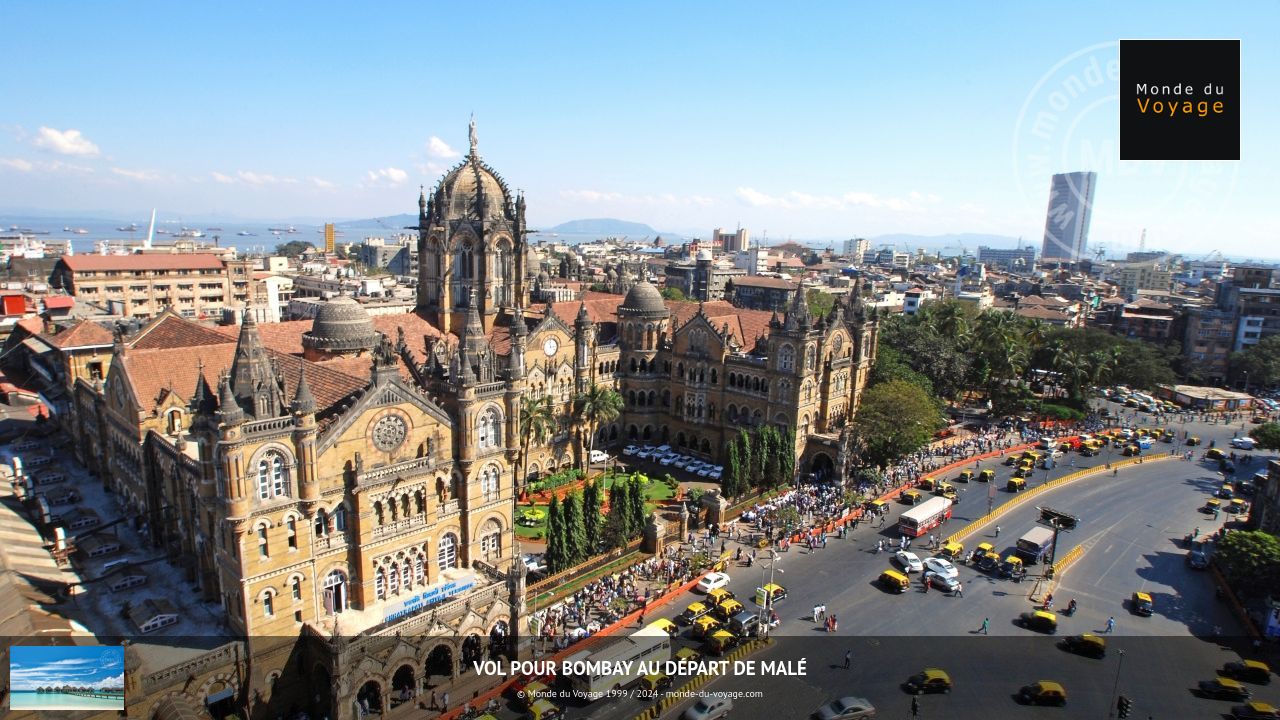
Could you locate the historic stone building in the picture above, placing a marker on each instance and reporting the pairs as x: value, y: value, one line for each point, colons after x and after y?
x: 344, y: 487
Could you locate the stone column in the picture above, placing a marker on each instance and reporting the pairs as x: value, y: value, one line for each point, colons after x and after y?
x: 654, y: 533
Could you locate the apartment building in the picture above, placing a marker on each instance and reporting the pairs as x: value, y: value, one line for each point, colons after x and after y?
x: 143, y: 285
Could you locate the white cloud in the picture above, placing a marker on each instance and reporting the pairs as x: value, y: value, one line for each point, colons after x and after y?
x: 65, y: 142
x: 590, y: 196
x: 224, y: 179
x: 390, y: 175
x: 438, y: 148
x: 136, y: 174
x: 431, y: 169
x: 252, y: 178
x: 16, y: 164
x: 796, y: 200
x: 322, y: 184
x: 660, y: 199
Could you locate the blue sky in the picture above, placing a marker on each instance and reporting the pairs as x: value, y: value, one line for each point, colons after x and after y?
x: 807, y: 120
x: 32, y: 667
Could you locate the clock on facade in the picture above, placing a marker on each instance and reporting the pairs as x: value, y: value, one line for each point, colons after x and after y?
x: 389, y: 432
x: 550, y: 346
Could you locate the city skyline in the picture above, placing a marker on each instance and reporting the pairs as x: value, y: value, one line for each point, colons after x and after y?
x: 837, y: 122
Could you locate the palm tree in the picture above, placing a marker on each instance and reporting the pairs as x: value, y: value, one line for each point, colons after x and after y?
x: 537, y: 424
x: 949, y: 320
x: 597, y: 405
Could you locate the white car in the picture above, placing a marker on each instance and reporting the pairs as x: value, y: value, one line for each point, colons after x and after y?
x: 1243, y: 443
x: 709, y: 708
x: 664, y: 449
x: 695, y: 466
x: 713, y: 581
x: 599, y: 456
x: 941, y: 566
x: 706, y: 471
x: 630, y: 450
x: 644, y: 453
x: 680, y: 461
x: 668, y: 459
x: 715, y: 474
x: 846, y: 708
x: 909, y: 561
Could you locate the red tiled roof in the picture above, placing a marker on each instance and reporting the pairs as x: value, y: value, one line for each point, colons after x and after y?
x: 59, y: 302
x: 744, y: 325
x: 174, y: 331
x: 1040, y: 312
x: 601, y: 308
x: 33, y: 325
x: 285, y: 337
x: 150, y: 261
x: 83, y: 334
x: 762, y: 281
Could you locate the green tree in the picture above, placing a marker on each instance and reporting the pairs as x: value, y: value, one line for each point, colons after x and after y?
x: 617, y: 530
x: 746, y: 456
x: 940, y: 358
x: 895, y: 419
x: 1259, y: 364
x: 575, y: 529
x: 537, y: 424
x: 557, y: 557
x: 592, y: 520
x: 889, y: 365
x: 1267, y: 435
x: 787, y: 457
x: 820, y: 303
x: 635, y: 508
x: 760, y: 447
x: 773, y: 457
x: 731, y: 478
x: 596, y: 406
x: 293, y: 248
x: 1250, y: 561
x: 673, y: 293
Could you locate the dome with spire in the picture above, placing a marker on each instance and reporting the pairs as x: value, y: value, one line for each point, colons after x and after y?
x: 462, y: 189
x: 644, y: 297
x: 341, y: 326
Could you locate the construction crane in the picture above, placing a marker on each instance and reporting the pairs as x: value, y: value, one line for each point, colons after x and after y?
x: 1100, y: 253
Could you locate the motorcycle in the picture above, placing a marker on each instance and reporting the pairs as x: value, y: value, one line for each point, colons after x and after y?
x: 1071, y: 609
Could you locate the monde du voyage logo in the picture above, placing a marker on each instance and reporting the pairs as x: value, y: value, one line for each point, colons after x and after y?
x: 1179, y: 99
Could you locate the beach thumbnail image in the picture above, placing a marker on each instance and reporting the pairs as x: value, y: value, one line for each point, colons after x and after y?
x: 66, y: 678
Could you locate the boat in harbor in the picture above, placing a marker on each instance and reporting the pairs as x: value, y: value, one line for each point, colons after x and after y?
x: 246, y: 233
x: 213, y: 229
x: 131, y: 227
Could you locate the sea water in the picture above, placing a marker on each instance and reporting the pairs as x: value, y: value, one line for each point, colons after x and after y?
x: 30, y: 700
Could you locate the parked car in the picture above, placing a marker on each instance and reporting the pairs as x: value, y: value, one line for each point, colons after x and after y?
x: 630, y: 450
x: 599, y: 456
x: 1224, y: 689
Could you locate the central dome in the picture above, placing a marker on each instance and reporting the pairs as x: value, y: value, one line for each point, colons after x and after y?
x: 644, y: 297
x: 341, y: 326
x: 469, y: 179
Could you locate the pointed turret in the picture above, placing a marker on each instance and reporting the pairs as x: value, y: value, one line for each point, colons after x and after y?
x: 203, y: 399
x: 304, y: 403
x: 255, y: 381
x: 798, y: 317
x: 229, y: 411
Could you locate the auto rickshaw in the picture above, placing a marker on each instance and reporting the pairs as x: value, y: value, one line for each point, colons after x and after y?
x: 653, y: 684
x: 721, y: 641
x: 666, y: 626
x: 876, y: 507
x: 728, y: 609
x: 687, y: 655
x: 1012, y: 567
x: 1167, y: 436
x: 1212, y: 506
x: 1193, y: 441
x: 1142, y: 604
x: 989, y: 562
x: 987, y: 475
x: 1254, y: 671
x: 1087, y: 644
x: 532, y: 693
x: 770, y: 594
x: 926, y: 484
x: 1023, y: 472
x: 1238, y: 507
x: 1012, y: 460
x: 1015, y: 485
x: 947, y: 491
x: 695, y: 611
x: 912, y: 497
x: 544, y: 710
x: 1214, y: 454
x: 964, y: 476
x: 717, y: 596
x: 1132, y: 450
x: 1225, y: 491
x: 703, y: 626
x: 952, y: 550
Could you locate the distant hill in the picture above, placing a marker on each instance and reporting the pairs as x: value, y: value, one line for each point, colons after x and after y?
x: 970, y: 241
x: 602, y: 226
x: 394, y: 221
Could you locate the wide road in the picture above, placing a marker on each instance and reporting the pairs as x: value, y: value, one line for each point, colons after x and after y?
x: 1131, y: 528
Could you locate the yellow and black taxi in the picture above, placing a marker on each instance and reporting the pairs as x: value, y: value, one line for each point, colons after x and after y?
x: 926, y: 484
x: 987, y: 475
x: 1016, y: 483
x: 1221, y: 688
x: 894, y: 581
x: 1041, y: 621
x: 687, y: 655
x: 1193, y: 441
x: 728, y: 609
x: 1237, y: 506
x: 1132, y: 450
x: 666, y: 626
x: 533, y: 692
x: 964, y: 476
x: 1255, y: 711
x: 948, y: 491
x: 544, y: 710
x: 703, y: 626
x: 721, y: 642
x: 1214, y: 454
x: 1252, y: 671
x: 911, y: 497
x: 929, y: 680
x: 1086, y: 644
x: 1012, y: 460
x: 951, y: 550
x: 695, y: 611
x: 1167, y: 436
x: 1224, y: 491
x: 1142, y: 604
x: 1211, y: 506
x: 717, y: 596
x: 654, y: 683
x: 989, y: 561
x: 770, y: 594
x: 1044, y: 692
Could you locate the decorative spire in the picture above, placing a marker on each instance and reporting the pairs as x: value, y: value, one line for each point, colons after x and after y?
x: 518, y: 327
x: 229, y: 411
x: 203, y: 399
x: 474, y: 326
x: 471, y: 135
x: 422, y: 201
x: 254, y: 379
x: 583, y: 318
x: 304, y: 403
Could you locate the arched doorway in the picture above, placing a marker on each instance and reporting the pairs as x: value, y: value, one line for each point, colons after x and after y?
x: 403, y: 685
x: 822, y: 467
x: 498, y: 639
x: 219, y: 700
x: 439, y: 663
x: 369, y: 698
x: 335, y: 592
x: 472, y: 650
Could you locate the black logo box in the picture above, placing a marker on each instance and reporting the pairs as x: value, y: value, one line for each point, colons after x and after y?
x: 1154, y: 124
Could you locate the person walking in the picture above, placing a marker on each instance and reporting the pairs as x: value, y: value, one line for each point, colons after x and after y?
x: 1111, y: 625
x: 816, y: 610
x: 444, y: 702
x: 959, y: 590
x: 986, y: 626
x: 848, y: 658
x: 433, y: 700
x: 997, y: 531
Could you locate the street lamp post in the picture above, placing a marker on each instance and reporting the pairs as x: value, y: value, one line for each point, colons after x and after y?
x: 767, y: 605
x: 1115, y: 688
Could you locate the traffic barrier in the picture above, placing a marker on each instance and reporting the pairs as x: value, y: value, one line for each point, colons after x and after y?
x: 698, y: 681
x: 1025, y: 496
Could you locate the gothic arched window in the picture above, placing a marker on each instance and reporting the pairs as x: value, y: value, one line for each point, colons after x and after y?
x: 273, y: 479
x: 491, y: 540
x: 489, y: 429
x: 447, y: 554
x: 786, y: 358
